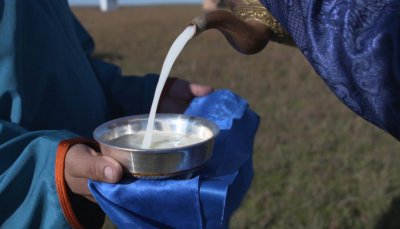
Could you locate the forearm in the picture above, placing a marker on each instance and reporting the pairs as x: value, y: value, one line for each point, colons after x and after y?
x: 78, y: 211
x: 354, y: 47
x: 127, y: 95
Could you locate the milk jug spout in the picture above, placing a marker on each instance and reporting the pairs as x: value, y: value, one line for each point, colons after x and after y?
x: 247, y: 25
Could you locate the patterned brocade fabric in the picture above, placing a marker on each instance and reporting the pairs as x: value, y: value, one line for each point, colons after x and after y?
x: 354, y: 45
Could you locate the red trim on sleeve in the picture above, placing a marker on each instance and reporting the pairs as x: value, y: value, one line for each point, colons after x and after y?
x: 61, y: 184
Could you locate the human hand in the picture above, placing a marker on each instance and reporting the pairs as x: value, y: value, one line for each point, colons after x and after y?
x: 83, y: 163
x: 177, y: 95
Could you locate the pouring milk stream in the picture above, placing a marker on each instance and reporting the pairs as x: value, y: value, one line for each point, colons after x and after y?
x: 173, y: 53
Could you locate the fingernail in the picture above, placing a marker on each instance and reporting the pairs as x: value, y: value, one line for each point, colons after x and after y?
x: 108, y: 173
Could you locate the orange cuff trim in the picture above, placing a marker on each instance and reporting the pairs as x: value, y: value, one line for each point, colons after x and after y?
x: 61, y: 185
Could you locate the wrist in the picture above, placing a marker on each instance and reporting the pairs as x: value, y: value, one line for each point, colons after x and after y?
x: 75, y: 208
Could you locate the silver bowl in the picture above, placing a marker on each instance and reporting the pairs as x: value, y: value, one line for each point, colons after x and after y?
x: 116, y: 136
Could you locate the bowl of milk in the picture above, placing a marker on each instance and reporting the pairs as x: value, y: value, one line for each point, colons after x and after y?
x: 159, y: 145
x: 179, y: 144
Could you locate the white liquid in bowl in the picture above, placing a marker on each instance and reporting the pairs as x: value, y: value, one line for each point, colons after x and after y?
x: 160, y: 140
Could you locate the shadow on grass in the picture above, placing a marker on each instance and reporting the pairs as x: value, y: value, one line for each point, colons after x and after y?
x: 391, y: 218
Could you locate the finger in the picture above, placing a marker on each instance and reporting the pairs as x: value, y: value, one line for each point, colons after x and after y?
x: 90, y: 197
x: 80, y: 186
x: 81, y: 162
x: 183, y: 90
x: 200, y: 90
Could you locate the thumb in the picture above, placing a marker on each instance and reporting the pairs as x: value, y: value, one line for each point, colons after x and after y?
x: 84, y: 162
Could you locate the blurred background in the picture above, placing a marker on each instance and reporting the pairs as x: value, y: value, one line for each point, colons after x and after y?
x: 317, y: 165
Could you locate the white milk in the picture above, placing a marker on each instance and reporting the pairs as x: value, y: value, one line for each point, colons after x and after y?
x: 173, y: 53
x: 160, y: 140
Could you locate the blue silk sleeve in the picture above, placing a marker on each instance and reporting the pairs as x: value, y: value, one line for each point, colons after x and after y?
x: 355, y: 47
x: 126, y: 95
x: 49, y: 78
x: 28, y: 194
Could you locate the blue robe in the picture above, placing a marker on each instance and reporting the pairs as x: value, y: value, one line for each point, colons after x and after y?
x: 354, y: 45
x: 50, y: 89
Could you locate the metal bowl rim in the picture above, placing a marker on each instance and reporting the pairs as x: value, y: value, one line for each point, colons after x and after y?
x: 215, y: 130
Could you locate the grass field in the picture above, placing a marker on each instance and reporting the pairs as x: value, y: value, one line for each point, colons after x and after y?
x: 317, y: 165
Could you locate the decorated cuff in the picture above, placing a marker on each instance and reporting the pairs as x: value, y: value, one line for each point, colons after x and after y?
x: 254, y: 10
x: 61, y: 185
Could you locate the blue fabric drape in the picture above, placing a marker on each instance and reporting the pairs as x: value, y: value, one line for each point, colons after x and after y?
x: 208, y: 199
x: 354, y: 46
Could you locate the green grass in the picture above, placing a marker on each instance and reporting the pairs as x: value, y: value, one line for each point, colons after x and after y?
x: 317, y: 165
